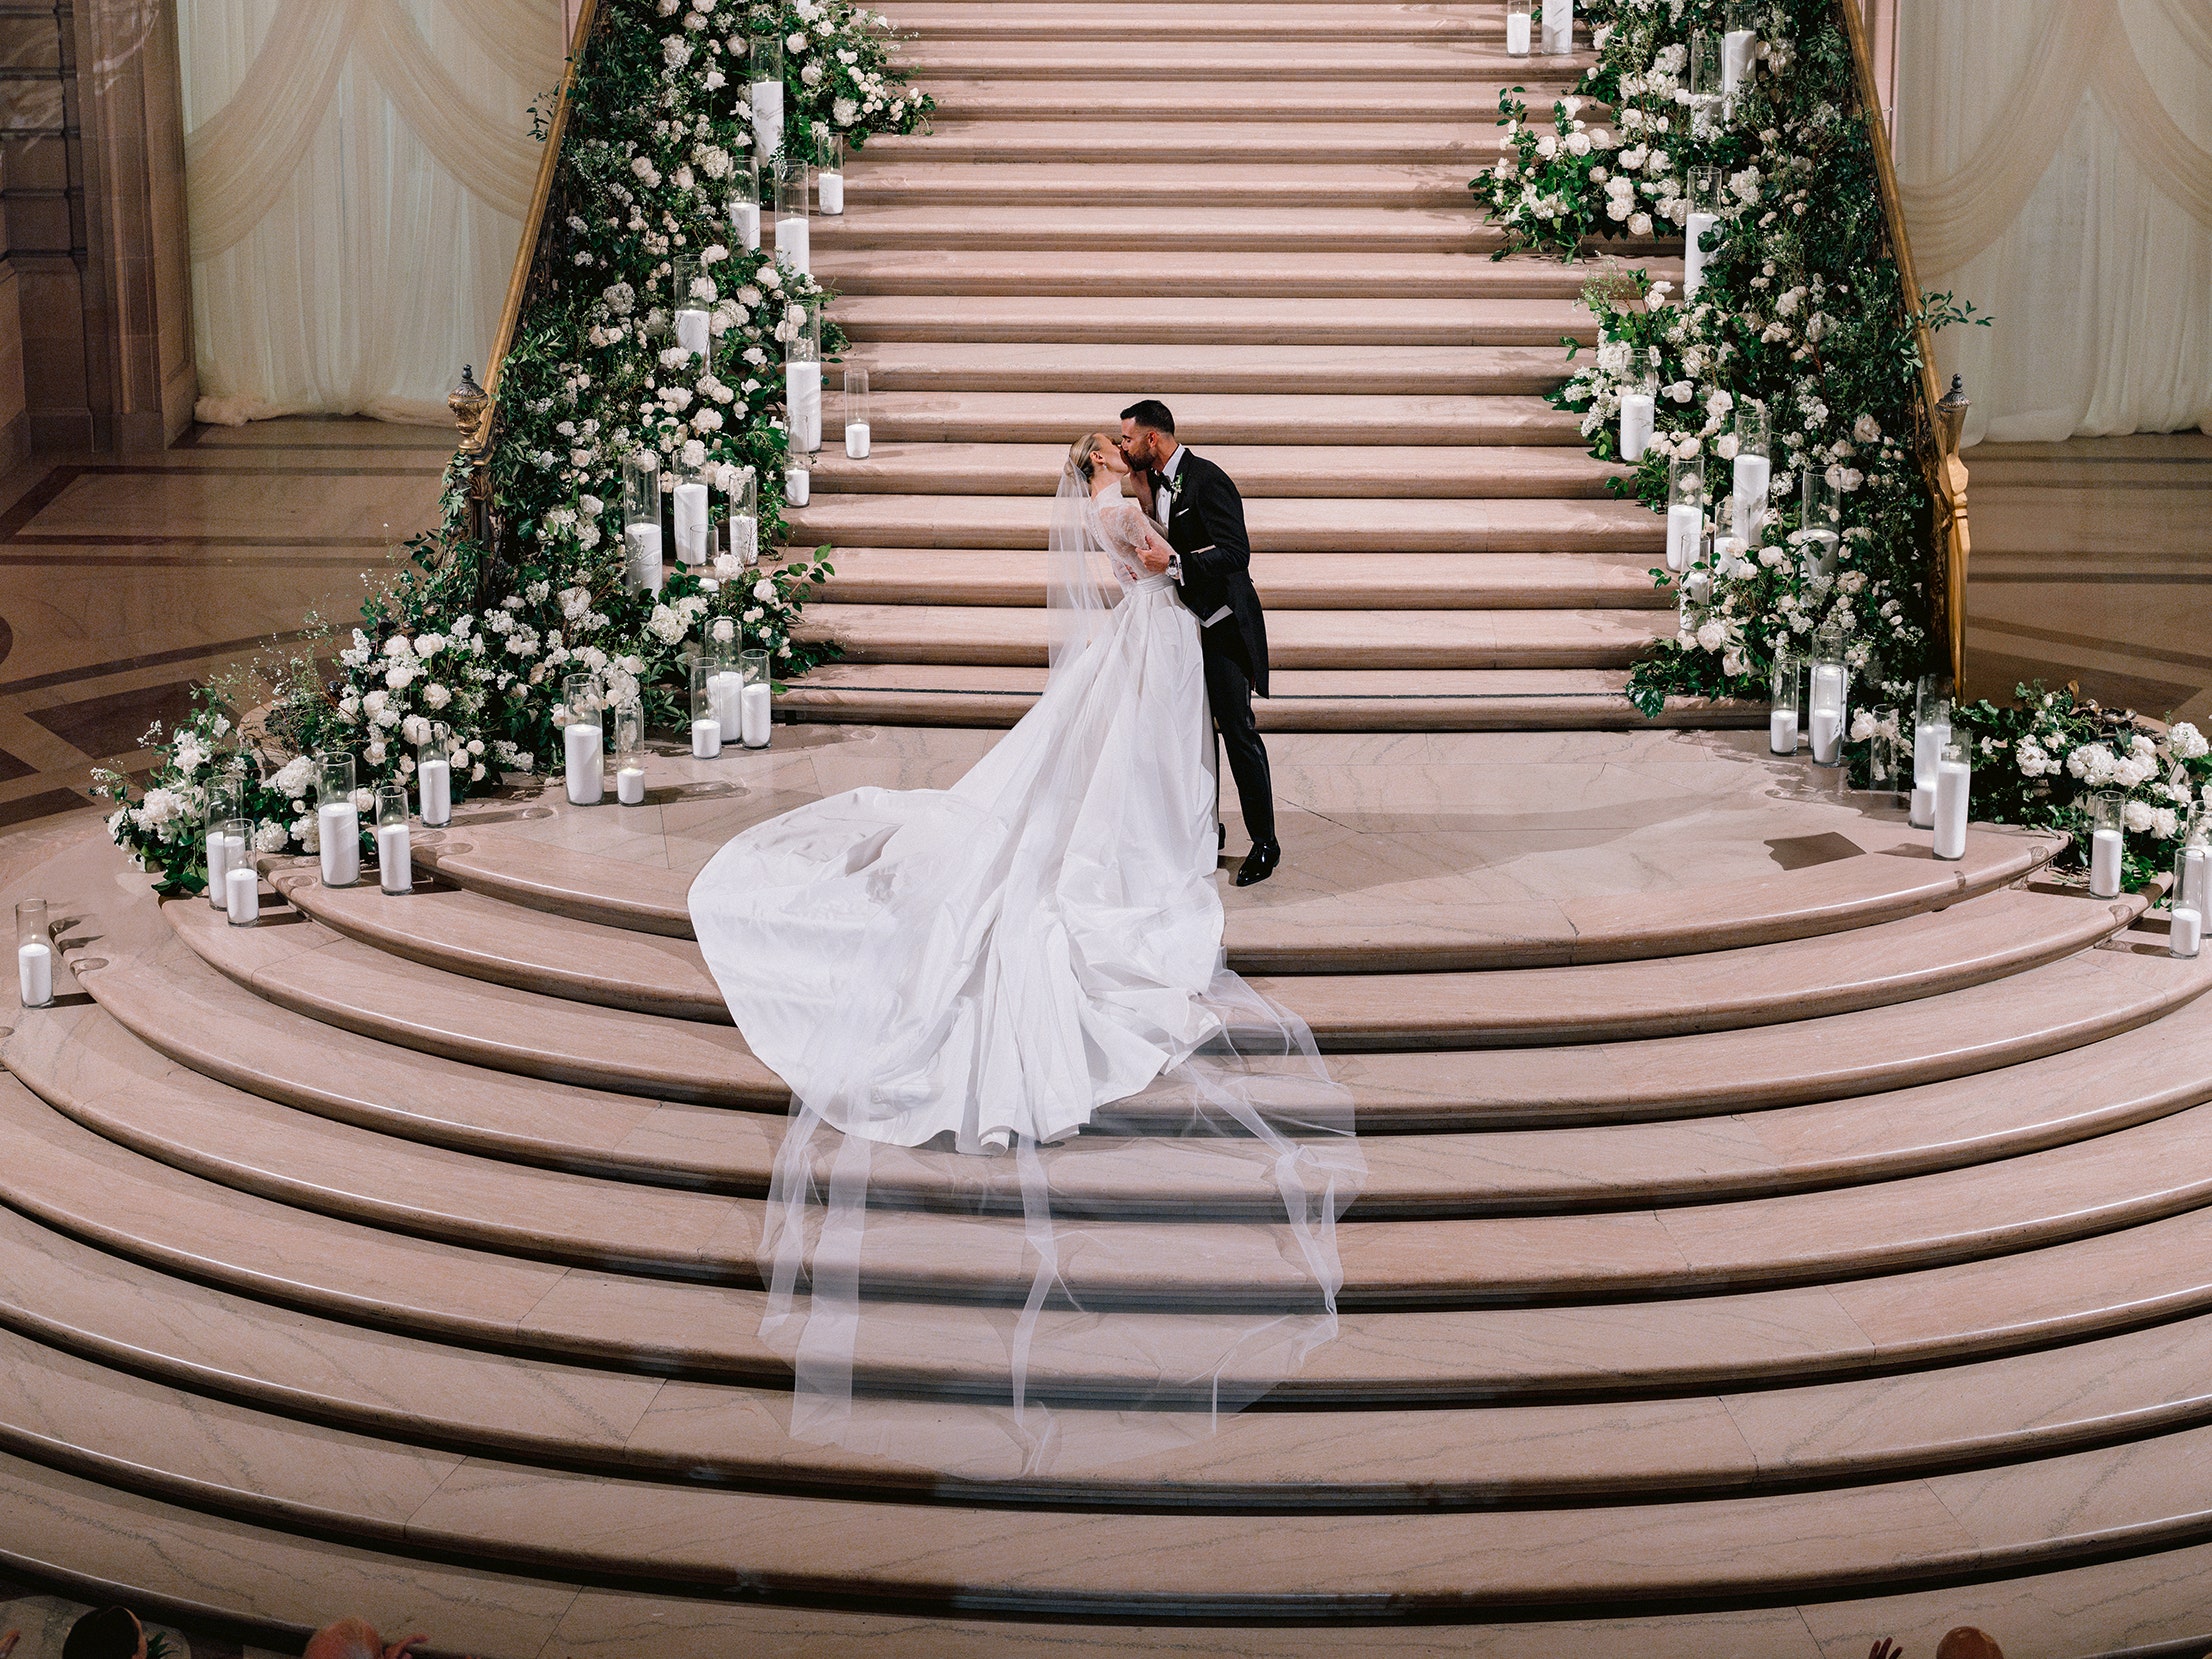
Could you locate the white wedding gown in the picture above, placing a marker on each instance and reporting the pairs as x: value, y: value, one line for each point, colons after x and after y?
x: 999, y: 959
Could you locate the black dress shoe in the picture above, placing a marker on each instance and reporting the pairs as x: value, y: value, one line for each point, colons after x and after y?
x: 1260, y: 863
x: 1221, y: 838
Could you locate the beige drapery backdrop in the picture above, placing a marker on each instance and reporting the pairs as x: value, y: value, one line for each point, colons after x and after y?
x: 2055, y: 158
x: 356, y: 173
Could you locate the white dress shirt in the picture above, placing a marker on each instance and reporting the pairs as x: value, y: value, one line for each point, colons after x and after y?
x: 1161, y: 499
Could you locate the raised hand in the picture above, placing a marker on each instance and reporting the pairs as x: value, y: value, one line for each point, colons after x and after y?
x: 1885, y: 1649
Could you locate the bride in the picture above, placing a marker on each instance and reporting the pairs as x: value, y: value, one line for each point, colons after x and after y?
x: 1000, y: 959
x: 996, y: 967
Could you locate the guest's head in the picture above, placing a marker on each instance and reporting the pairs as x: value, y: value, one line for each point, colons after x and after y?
x: 1147, y: 433
x: 1968, y: 1643
x: 355, y: 1639
x: 106, y: 1633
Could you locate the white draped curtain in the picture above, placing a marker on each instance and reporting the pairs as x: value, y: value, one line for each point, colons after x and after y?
x: 356, y: 173
x: 2055, y: 158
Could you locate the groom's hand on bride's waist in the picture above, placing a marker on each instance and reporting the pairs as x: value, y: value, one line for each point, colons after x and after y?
x: 1155, y: 558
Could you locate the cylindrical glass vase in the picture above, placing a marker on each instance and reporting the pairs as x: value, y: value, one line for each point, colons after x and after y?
x: 794, y: 230
x: 1704, y: 214
x: 1785, y: 693
x: 743, y: 207
x: 224, y: 804
x: 706, y: 723
x: 35, y: 957
x: 1739, y: 47
x: 741, y: 532
x: 691, y: 306
x: 1828, y: 695
x: 583, y: 741
x: 2192, y: 887
x: 756, y: 709
x: 1954, y: 790
x: 641, y: 522
x: 337, y: 819
x: 1752, y: 473
x: 2106, y: 812
x: 395, y: 856
x: 1685, y: 511
x: 434, y: 764
x: 1519, y: 28
x: 1820, y: 532
x: 802, y: 384
x: 829, y: 177
x: 766, y: 69
x: 691, y: 515
x: 242, y: 881
x: 857, y: 430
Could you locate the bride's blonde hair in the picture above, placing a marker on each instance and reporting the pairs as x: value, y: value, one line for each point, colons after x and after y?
x: 1081, y: 451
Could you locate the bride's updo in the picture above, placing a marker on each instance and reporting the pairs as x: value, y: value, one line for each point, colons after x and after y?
x: 1080, y: 454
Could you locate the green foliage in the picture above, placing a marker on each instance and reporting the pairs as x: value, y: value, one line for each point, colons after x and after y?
x: 474, y: 641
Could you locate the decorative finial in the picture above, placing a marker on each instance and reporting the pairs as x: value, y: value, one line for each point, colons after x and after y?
x: 468, y: 402
x: 1950, y: 415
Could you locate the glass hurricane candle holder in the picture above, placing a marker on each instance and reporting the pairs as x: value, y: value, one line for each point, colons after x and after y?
x: 34, y: 955
x: 743, y: 207
x: 626, y: 741
x: 856, y: 413
x: 766, y: 69
x: 829, y: 178
x: 706, y: 724
x: 1639, y: 417
x: 1820, y: 535
x: 756, y: 711
x: 1785, y: 695
x: 802, y: 384
x: 337, y: 819
x: 741, y: 534
x: 583, y: 741
x: 1703, y: 76
x: 242, y: 880
x: 1685, y: 510
x: 434, y: 764
x: 1886, y: 769
x: 2106, y: 812
x: 224, y: 803
x: 641, y: 522
x: 692, y: 517
x: 1739, y: 47
x: 1827, y: 696
x: 1752, y: 473
x: 1518, y: 27
x: 2192, y: 887
x: 1954, y: 789
x: 794, y: 232
x: 691, y: 304
x: 395, y: 857
x: 798, y: 479
x: 1559, y: 27
x: 1704, y: 199
x: 1931, y: 730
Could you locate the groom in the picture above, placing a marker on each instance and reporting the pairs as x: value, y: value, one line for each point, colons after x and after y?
x: 1202, y: 518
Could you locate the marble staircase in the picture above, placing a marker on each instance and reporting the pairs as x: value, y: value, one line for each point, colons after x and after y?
x: 1272, y: 232
x: 1770, y: 1235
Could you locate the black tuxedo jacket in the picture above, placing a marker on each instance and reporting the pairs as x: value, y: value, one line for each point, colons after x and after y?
x: 1206, y: 526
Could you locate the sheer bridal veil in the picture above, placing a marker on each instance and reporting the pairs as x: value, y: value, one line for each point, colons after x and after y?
x: 1071, y: 1304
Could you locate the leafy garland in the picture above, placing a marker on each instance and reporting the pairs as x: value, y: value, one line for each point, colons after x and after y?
x: 474, y: 641
x: 1800, y: 311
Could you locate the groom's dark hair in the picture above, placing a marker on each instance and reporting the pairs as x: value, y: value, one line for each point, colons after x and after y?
x: 1153, y: 413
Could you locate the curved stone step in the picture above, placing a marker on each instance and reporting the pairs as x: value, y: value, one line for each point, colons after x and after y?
x: 1113, y: 273
x: 1328, y: 23
x: 1362, y: 473
x: 1469, y: 102
x: 1474, y: 58
x: 111, y: 1084
x: 1974, y: 942
x: 1059, y: 418
x: 926, y: 181
x: 2126, y: 1065
x: 984, y: 141
x: 1304, y: 700
x: 1887, y: 873
x: 66, y: 1178
x: 1277, y: 525
x: 992, y: 636
x: 989, y: 577
x: 183, y: 1447
x: 1121, y: 369
x: 1011, y: 318
x: 64, y: 1296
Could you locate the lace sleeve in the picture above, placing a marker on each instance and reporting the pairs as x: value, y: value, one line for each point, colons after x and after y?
x: 1121, y: 526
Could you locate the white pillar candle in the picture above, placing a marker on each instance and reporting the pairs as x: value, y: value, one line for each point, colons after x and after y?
x: 1927, y: 749
x: 642, y: 543
x: 1954, y: 780
x: 629, y: 785
x: 706, y: 739
x: 1782, y: 731
x: 794, y: 245
x: 724, y: 697
x: 583, y: 741
x: 222, y: 851
x: 1827, y: 736
x: 2185, y: 933
x: 829, y: 192
x: 338, y: 835
x: 1685, y: 529
x: 242, y: 895
x: 767, y: 118
x: 2195, y: 892
x: 1737, y: 49
x: 745, y: 539
x: 1638, y: 417
x: 1559, y: 25
x: 798, y: 485
x: 435, y: 781
x: 1516, y: 34
x: 1693, y: 252
x: 802, y: 392
x: 395, y: 869
x: 1752, y: 475
x: 691, y: 522
x: 856, y: 440
x: 757, y: 716
x: 2104, y: 864
x: 34, y: 973
x: 745, y: 223
x: 691, y: 331
x: 1922, y: 813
